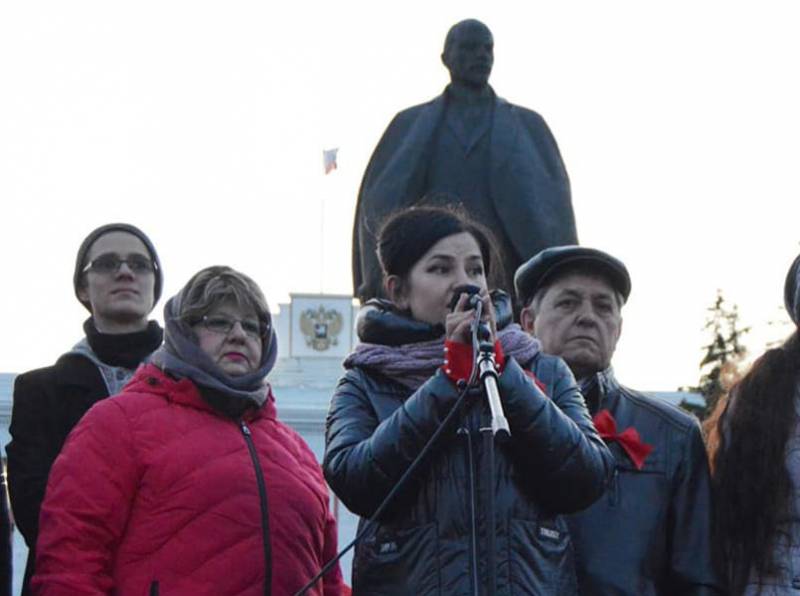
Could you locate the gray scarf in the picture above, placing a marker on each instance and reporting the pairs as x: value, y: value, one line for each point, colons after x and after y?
x: 181, y: 356
x: 114, y: 377
x: 413, y: 364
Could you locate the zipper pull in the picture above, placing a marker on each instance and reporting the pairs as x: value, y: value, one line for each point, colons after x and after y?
x: 245, y: 430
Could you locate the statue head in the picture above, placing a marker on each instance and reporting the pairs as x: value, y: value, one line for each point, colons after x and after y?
x: 469, y: 53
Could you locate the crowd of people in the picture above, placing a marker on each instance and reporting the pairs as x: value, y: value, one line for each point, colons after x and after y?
x: 153, y: 461
x: 478, y: 429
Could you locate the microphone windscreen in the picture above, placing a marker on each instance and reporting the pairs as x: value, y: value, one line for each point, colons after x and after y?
x: 471, y: 290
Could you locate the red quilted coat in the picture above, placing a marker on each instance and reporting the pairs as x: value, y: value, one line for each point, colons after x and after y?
x: 154, y: 493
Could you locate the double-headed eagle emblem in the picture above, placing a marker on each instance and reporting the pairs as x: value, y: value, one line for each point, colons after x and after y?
x: 321, y: 327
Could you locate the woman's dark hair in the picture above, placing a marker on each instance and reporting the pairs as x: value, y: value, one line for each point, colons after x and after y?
x: 406, y: 235
x: 747, y: 448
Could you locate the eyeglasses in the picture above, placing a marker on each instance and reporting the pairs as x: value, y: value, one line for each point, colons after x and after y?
x: 109, y: 263
x: 224, y: 325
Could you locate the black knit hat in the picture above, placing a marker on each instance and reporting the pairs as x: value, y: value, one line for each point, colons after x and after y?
x: 791, y: 292
x: 543, y: 268
x: 80, y: 260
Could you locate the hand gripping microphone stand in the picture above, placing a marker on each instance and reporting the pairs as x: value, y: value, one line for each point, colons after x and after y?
x: 485, y: 367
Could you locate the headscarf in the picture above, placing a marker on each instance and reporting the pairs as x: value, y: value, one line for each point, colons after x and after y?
x: 182, y: 356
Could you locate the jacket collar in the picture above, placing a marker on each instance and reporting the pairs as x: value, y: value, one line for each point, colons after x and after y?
x: 608, y: 379
x: 380, y: 322
x: 151, y: 379
x: 600, y: 390
x: 424, y: 128
x: 77, y: 370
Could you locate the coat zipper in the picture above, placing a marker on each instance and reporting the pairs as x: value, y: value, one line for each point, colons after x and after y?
x: 473, y: 512
x: 262, y: 494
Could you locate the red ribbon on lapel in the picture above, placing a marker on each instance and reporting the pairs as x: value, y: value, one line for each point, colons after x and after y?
x: 629, y: 439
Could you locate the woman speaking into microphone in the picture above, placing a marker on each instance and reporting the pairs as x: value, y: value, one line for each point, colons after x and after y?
x: 446, y: 529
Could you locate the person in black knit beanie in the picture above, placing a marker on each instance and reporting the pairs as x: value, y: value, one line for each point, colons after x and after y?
x: 118, y: 279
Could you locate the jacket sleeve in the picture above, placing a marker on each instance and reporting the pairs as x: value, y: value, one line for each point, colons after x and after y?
x: 364, y: 459
x: 558, y: 454
x: 92, y: 485
x: 29, y: 456
x: 382, y: 191
x: 691, y: 567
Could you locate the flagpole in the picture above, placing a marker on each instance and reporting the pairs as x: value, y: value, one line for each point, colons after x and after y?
x: 321, y: 241
x: 329, y: 164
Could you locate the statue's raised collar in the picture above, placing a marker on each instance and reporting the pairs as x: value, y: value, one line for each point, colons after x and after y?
x: 460, y: 94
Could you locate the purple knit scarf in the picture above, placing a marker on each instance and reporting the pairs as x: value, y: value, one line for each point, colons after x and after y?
x: 413, y: 364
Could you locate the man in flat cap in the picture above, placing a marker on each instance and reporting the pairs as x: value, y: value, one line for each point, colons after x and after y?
x: 650, y: 532
x: 467, y: 147
x: 117, y: 278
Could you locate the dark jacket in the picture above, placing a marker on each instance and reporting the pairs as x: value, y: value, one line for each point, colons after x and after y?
x: 650, y: 534
x: 528, y: 184
x: 433, y: 538
x: 48, y: 402
x: 785, y: 580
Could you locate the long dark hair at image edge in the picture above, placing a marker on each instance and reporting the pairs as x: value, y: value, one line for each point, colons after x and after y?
x: 747, y: 436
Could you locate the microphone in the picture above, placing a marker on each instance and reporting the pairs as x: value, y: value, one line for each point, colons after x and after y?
x: 471, y: 290
x: 484, y: 356
x: 474, y: 302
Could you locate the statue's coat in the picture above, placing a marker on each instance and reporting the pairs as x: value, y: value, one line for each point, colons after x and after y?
x: 527, y: 180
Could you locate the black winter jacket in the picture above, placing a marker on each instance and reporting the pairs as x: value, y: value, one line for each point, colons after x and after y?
x: 650, y: 534
x: 48, y: 402
x: 433, y: 538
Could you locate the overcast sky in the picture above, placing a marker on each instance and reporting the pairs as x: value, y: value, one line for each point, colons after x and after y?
x: 204, y: 124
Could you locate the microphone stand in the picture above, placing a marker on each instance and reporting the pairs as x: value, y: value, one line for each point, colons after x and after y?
x: 498, y: 430
x: 485, y: 370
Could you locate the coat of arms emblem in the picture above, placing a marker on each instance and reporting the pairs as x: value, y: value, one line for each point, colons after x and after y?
x: 321, y: 327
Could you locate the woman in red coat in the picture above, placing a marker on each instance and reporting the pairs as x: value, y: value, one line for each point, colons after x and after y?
x: 186, y: 482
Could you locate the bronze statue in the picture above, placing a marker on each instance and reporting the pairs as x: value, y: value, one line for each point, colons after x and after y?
x: 468, y: 147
